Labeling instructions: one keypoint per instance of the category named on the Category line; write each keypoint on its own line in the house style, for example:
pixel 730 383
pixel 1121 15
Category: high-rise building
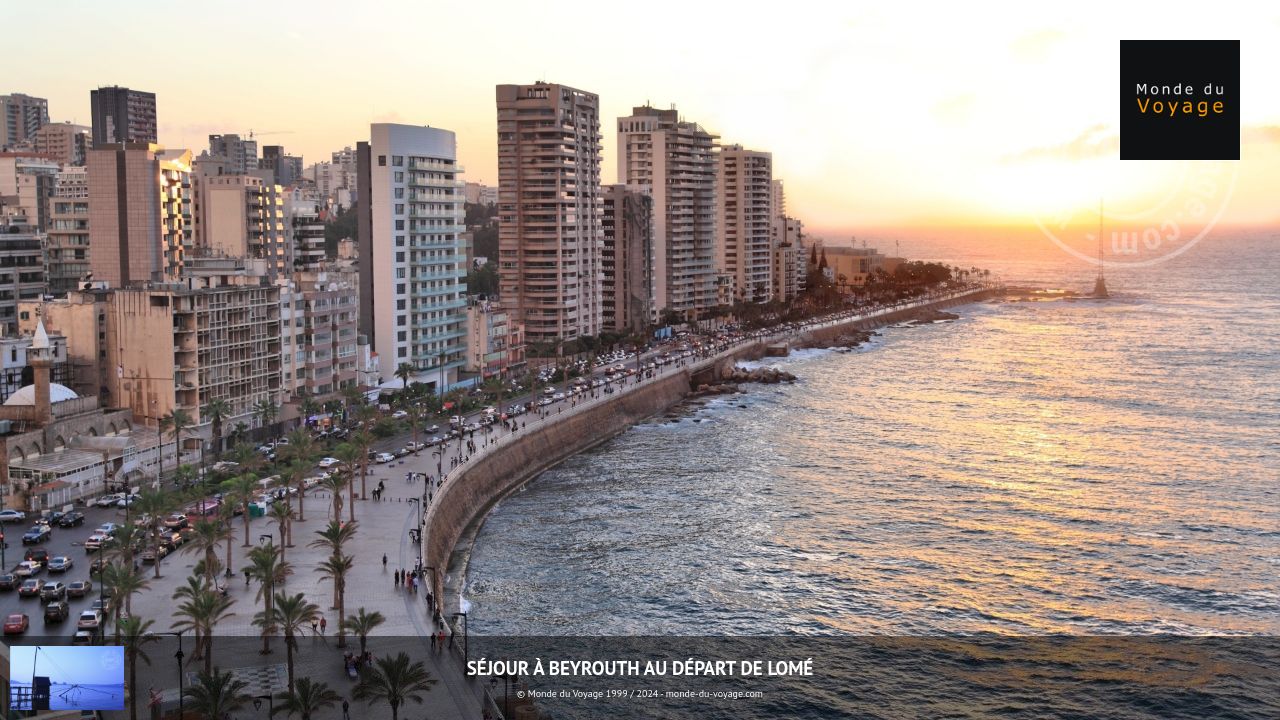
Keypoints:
pixel 21 271
pixel 675 159
pixel 66 248
pixel 495 340
pixel 627 260
pixel 63 142
pixel 550 212
pixel 788 258
pixel 287 168
pixel 241 216
pixel 307 222
pixel 241 154
pixel 20 117
pixel 139 213
pixel 318 318
pixel 412 263
pixel 121 115
pixel 26 184
pixel 745 223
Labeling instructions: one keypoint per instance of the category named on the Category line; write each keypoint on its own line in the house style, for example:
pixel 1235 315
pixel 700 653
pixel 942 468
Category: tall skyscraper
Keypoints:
pixel 66 255
pixel 121 115
pixel 138 213
pixel 745 222
pixel 20 117
pixel 627 262
pixel 550 233
pixel 412 263
pixel 676 161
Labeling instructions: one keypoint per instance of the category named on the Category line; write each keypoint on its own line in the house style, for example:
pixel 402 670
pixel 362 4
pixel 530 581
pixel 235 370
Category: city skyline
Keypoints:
pixel 993 126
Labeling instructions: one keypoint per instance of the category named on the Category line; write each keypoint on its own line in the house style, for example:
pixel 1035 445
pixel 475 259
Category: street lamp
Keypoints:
pixel 178 656
pixel 466 656
pixel 257 703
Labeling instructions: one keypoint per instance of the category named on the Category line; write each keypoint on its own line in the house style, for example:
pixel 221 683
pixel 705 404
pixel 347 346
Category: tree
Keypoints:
pixel 289 614
pixel 265 411
pixel 207 535
pixel 216 695
pixel 217 410
pixel 404 371
pixel 362 623
pixel 269 570
pixel 226 513
pixel 336 569
pixel 282 514
pixel 352 457
pixel 135 635
pixel 124 583
pixel 200 610
pixel 364 441
pixel 395 681
pixel 240 491
pixel 307 699
pixel 176 422
pixel 334 484
pixel 299 455
pixel 154 504
pixel 334 536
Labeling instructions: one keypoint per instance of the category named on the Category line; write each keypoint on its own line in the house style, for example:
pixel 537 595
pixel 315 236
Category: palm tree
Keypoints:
pixel 395 681
pixel 305 700
pixel 364 441
pixel 155 504
pixel 296 473
pixel 336 569
pixel 404 371
pixel 363 623
pixel 266 411
pixel 135 634
pixel 335 483
pixel 282 514
pixel 238 432
pixel 217 410
pixel 266 566
pixel 298 454
pixel 226 513
pixel 241 489
pixel 350 455
pixel 123 582
pixel 201 609
pixel 290 614
pixel 216 695
pixel 334 536
pixel 176 422
pixel 207 536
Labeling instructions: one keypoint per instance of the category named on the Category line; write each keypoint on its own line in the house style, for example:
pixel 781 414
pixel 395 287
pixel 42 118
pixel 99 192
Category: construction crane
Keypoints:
pixel 270 132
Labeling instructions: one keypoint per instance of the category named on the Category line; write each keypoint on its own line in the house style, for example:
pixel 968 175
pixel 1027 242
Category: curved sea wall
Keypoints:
pixel 499 469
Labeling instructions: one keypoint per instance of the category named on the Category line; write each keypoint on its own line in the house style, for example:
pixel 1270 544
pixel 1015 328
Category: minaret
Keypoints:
pixel 40 361
pixel 1100 284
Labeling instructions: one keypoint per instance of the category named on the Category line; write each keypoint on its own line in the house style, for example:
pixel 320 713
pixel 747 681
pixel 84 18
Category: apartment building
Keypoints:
pixel 319 313
pixel 745 223
pixel 495 340
pixel 788 258
pixel 27 181
pixel 627 267
pixel 412 262
pixel 64 143
pixel 550 211
pixel 139 213
pixel 121 115
pixel 241 216
pixel 306 220
pixel 675 159
pixel 21 116
pixel 21 271
pixel 66 241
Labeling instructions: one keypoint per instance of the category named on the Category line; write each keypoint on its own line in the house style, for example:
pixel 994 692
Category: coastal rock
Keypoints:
pixel 766 376
pixel 848 339
pixel 928 315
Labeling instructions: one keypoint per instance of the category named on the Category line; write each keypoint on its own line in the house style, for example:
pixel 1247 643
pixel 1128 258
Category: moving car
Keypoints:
pixel 82 637
pixel 412 446
pixel 8 581
pixel 71 519
pixel 16 624
pixel 328 462
pixel 7 516
pixel 89 620
pixel 399 414
pixel 148 556
pixel 109 500
pixel 108 528
pixel 384 457
pixel 26 569
pixel 31 587
pixel 53 591
pixel 79 588
pixel 95 542
pixel 57 611
pixel 176 521
pixel 37 554
pixel 60 563
pixel 36 535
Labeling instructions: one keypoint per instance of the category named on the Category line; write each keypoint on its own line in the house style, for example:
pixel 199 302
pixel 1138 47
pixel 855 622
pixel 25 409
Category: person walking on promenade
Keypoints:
pixel 439 640
pixel 397 575
pixel 324 624
pixel 415 584
pixel 384 561
pixel 433 642
pixel 314 624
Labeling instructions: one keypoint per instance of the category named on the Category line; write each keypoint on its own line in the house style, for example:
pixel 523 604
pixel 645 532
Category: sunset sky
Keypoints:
pixel 880 115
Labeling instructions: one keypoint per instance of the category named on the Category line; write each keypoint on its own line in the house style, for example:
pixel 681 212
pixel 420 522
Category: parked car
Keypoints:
pixel 89 620
pixel 384 457
pixel 176 521
pixel 79 588
pixel 36 535
pixel 82 637
pixel 399 414
pixel 108 528
pixel 415 446
pixel 60 563
pixel 36 554
pixel 8 516
pixel 57 611
pixel 94 542
pixel 53 591
pixel 71 519
pixel 16 624
pixel 328 462
pixel 30 587
pixel 8 581
pixel 126 501
pixel 149 555
pixel 109 500
pixel 95 567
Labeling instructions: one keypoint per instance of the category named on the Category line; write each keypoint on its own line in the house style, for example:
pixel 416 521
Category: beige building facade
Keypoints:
pixel 744 229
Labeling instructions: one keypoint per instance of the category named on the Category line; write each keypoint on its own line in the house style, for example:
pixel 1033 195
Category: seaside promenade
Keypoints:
pixel 387 527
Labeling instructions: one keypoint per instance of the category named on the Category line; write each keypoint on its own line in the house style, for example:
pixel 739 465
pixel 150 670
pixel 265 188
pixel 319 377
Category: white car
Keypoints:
pixel 109 500
pixel 383 457
pixel 399 414
pixel 328 462
pixel 7 516
pixel 412 446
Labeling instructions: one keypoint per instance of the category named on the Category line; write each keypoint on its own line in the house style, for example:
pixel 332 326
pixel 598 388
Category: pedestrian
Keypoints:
pixel 246 577
pixel 415 584
pixel 397 576
pixel 433 642
pixel 346 709
pixel 313 626
pixel 439 640
pixel 384 561
pixel 324 623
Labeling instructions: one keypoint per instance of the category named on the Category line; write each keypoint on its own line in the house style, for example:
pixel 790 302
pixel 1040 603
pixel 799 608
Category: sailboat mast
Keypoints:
pixel 1100 284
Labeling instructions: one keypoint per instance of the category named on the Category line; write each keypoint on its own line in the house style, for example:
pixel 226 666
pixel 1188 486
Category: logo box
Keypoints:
pixel 1179 99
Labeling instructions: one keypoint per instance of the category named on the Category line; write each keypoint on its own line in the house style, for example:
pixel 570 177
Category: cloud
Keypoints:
pixel 1092 143
pixel 954 110
pixel 1261 134
pixel 1035 47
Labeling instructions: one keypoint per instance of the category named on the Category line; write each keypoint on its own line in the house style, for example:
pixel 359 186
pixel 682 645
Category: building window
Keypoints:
pixel 400 225
pixel 400 289
pixel 399 192
pixel 400 273
pixel 400 320
pixel 397 160
pixel 402 352
pixel 399 208
pixel 400 257
pixel 399 241
pixel 399 176
pixel 401 335
pixel 382 161
pixel 400 304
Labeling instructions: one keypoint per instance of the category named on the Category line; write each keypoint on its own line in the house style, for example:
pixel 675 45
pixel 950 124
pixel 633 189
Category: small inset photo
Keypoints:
pixel 66 678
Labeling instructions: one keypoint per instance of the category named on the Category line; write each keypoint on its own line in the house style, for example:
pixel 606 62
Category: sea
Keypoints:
pixel 1100 473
